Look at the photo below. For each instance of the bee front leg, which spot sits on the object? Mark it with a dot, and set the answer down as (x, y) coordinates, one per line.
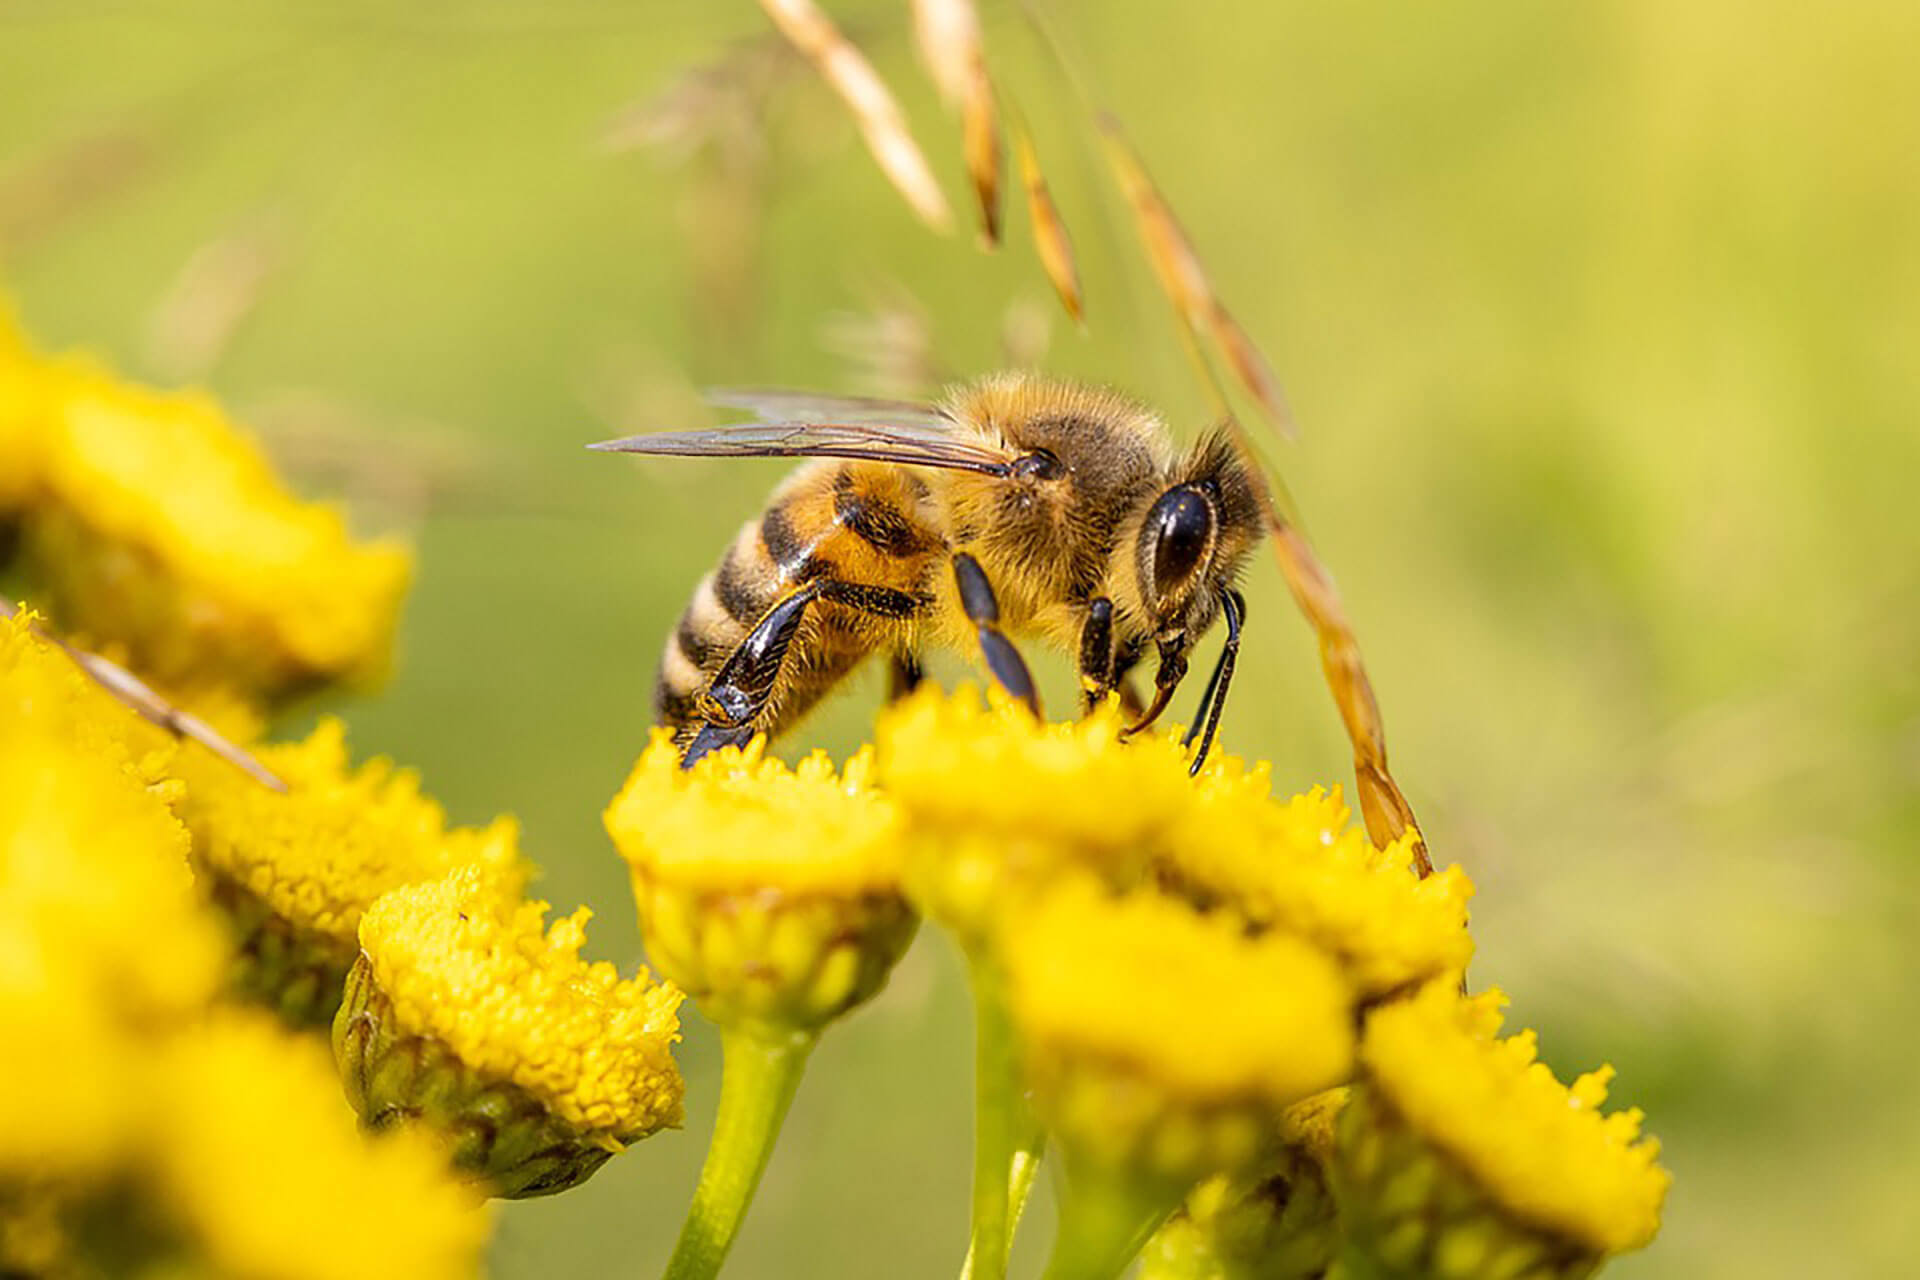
(1096, 653)
(904, 675)
(1004, 662)
(1214, 700)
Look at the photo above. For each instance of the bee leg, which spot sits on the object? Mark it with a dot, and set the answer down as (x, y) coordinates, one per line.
(739, 691)
(1096, 653)
(1214, 700)
(983, 611)
(904, 676)
(712, 737)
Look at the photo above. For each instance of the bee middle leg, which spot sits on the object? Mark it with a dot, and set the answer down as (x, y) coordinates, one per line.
(1004, 662)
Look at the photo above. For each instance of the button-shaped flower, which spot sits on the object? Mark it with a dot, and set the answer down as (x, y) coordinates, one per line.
(159, 526)
(1461, 1155)
(468, 1016)
(294, 872)
(770, 895)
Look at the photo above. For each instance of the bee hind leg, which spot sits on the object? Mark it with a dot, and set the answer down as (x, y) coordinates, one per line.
(1004, 662)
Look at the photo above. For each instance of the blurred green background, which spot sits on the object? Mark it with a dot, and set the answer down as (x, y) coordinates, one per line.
(1601, 322)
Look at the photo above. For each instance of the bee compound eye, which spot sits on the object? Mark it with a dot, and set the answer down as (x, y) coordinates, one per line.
(1038, 465)
(1181, 525)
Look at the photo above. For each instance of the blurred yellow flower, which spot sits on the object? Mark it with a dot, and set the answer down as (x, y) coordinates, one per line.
(161, 528)
(1543, 1151)
(1166, 1040)
(464, 961)
(294, 872)
(263, 1166)
(771, 895)
(22, 433)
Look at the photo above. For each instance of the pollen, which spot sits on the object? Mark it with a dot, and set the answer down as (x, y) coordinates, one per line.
(463, 960)
(1542, 1149)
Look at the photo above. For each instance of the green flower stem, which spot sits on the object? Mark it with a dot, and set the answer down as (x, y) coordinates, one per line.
(1006, 1139)
(759, 1074)
(1106, 1217)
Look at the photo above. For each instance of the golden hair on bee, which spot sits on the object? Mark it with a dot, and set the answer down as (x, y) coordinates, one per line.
(1019, 506)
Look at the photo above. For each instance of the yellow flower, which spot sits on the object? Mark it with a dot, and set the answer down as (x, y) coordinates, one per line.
(162, 529)
(465, 1013)
(771, 895)
(293, 873)
(1300, 866)
(22, 434)
(1166, 1041)
(1463, 1150)
(263, 1167)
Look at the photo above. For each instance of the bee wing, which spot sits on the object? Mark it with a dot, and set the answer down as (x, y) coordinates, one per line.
(779, 405)
(910, 445)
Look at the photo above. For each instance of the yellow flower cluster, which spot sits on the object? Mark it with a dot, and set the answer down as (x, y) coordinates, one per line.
(153, 524)
(295, 871)
(142, 1127)
(1167, 1039)
(463, 960)
(242, 1097)
(1541, 1150)
(771, 895)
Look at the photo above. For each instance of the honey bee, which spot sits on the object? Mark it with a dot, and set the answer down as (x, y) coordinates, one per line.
(1020, 506)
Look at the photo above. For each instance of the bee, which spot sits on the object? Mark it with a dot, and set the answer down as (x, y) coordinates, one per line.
(1020, 506)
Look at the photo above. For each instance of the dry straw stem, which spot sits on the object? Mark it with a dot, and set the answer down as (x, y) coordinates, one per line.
(948, 33)
(138, 695)
(874, 110)
(1186, 281)
(1050, 238)
(1382, 804)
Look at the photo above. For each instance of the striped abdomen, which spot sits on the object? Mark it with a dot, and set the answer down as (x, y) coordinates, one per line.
(860, 532)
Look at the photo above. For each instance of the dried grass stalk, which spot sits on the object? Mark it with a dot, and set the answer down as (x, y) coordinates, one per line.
(138, 695)
(1050, 238)
(948, 33)
(874, 110)
(1383, 806)
(215, 291)
(1185, 280)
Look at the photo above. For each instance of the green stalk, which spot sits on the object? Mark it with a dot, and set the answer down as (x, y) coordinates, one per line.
(759, 1074)
(1006, 1139)
(1106, 1218)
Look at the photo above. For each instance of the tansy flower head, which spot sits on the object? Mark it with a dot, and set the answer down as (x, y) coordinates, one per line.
(466, 1014)
(1302, 867)
(294, 872)
(1166, 1041)
(1462, 1154)
(771, 895)
(162, 528)
(264, 1170)
(22, 434)
(1000, 803)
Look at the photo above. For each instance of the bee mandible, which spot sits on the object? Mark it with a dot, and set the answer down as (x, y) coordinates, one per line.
(1019, 506)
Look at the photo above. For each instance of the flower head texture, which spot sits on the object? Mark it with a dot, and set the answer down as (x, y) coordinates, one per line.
(466, 962)
(160, 527)
(1544, 1152)
(1301, 866)
(294, 872)
(771, 895)
(263, 1166)
(1157, 1035)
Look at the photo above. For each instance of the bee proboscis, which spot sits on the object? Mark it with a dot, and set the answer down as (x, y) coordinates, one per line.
(1020, 506)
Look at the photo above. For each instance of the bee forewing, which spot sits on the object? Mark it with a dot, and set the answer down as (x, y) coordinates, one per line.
(907, 444)
(776, 405)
